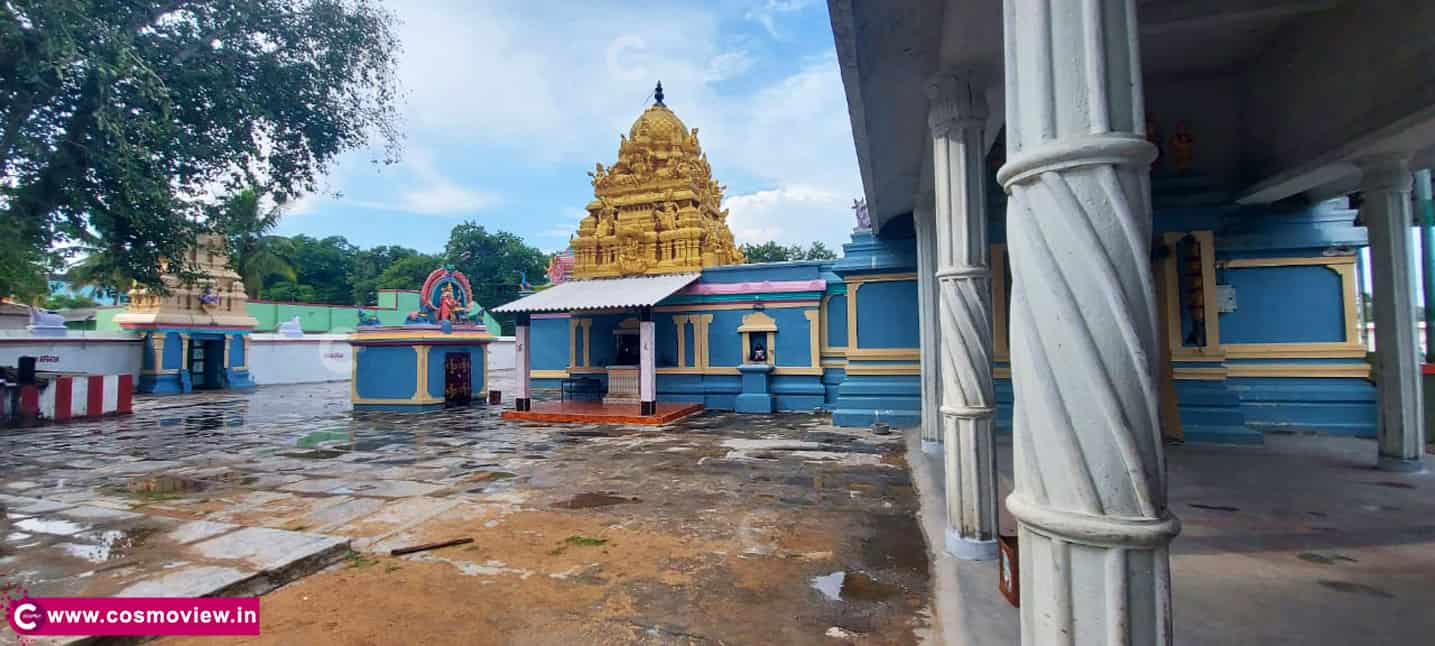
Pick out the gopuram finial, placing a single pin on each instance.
(658, 93)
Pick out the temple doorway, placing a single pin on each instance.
(206, 363)
(457, 379)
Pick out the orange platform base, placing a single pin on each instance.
(599, 413)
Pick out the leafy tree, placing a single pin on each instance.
(68, 302)
(766, 252)
(492, 262)
(819, 251)
(101, 270)
(289, 291)
(253, 253)
(408, 273)
(117, 117)
(321, 265)
(773, 252)
(370, 264)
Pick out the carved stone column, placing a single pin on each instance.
(521, 364)
(1385, 185)
(1090, 496)
(957, 115)
(928, 326)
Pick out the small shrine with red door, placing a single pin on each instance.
(437, 358)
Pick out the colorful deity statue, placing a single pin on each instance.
(657, 209)
(447, 298)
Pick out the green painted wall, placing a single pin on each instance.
(393, 307)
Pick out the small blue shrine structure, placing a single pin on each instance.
(437, 358)
(195, 334)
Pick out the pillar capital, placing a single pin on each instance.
(956, 100)
(1386, 173)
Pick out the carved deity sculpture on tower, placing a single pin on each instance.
(657, 209)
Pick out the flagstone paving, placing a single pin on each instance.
(721, 528)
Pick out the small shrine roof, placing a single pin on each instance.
(602, 293)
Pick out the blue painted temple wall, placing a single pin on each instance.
(216, 370)
(1257, 310)
(411, 376)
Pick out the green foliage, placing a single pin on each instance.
(322, 266)
(102, 270)
(370, 264)
(492, 262)
(289, 291)
(253, 253)
(68, 302)
(409, 272)
(773, 252)
(118, 116)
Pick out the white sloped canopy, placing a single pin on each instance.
(603, 293)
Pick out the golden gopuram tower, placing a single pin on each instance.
(657, 210)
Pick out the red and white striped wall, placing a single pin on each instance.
(87, 396)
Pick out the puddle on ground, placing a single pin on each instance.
(50, 526)
(853, 586)
(896, 543)
(860, 587)
(320, 437)
(830, 585)
(591, 500)
(314, 454)
(108, 545)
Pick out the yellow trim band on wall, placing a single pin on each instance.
(1332, 350)
(1307, 370)
(870, 370)
(1186, 373)
(896, 354)
(547, 374)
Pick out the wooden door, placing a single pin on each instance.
(457, 379)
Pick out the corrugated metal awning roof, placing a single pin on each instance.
(602, 293)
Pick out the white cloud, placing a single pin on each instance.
(768, 13)
(420, 188)
(790, 215)
(729, 64)
(548, 94)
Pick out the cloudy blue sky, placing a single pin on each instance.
(509, 104)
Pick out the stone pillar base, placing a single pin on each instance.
(970, 549)
(1399, 465)
(931, 448)
(648, 408)
(522, 404)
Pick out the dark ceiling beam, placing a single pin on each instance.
(1160, 17)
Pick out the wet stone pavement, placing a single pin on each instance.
(719, 529)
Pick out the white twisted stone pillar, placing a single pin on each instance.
(957, 116)
(1090, 496)
(1385, 186)
(928, 328)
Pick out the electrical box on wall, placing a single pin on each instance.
(1225, 298)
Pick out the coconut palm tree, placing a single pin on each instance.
(101, 269)
(253, 252)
